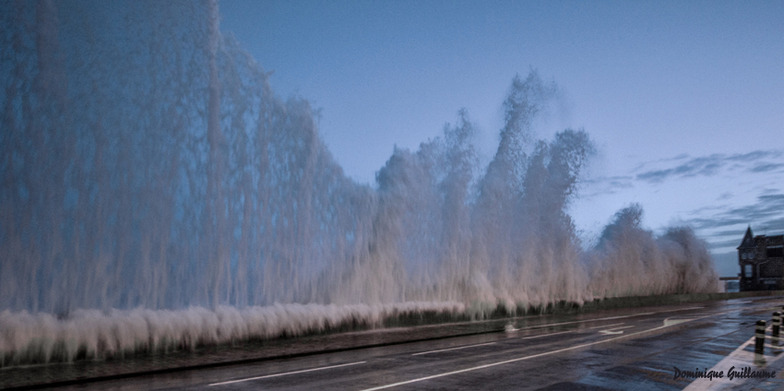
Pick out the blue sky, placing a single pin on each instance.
(684, 100)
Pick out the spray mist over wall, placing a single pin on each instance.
(157, 194)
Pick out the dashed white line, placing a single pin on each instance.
(455, 348)
(614, 330)
(286, 373)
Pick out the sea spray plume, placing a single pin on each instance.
(380, 274)
(214, 213)
(524, 245)
(629, 260)
(421, 227)
(135, 217)
(689, 256)
(494, 241)
(459, 164)
(34, 72)
(550, 244)
(626, 260)
(115, 207)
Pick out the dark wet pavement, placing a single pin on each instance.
(638, 348)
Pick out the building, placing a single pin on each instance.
(761, 260)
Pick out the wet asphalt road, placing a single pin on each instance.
(627, 349)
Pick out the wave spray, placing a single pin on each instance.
(156, 195)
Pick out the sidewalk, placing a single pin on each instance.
(743, 369)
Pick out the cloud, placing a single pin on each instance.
(742, 189)
(723, 226)
(607, 185)
(767, 208)
(684, 166)
(725, 196)
(768, 167)
(758, 162)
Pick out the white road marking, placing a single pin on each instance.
(589, 320)
(607, 318)
(606, 325)
(670, 322)
(286, 373)
(614, 330)
(683, 309)
(455, 348)
(516, 359)
(547, 335)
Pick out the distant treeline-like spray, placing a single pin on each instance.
(156, 192)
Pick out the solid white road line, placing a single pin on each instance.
(286, 373)
(541, 326)
(547, 335)
(455, 348)
(606, 318)
(605, 325)
(517, 359)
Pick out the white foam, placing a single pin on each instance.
(92, 334)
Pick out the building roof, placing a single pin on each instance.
(751, 241)
(748, 239)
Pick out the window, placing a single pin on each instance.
(775, 251)
(747, 271)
